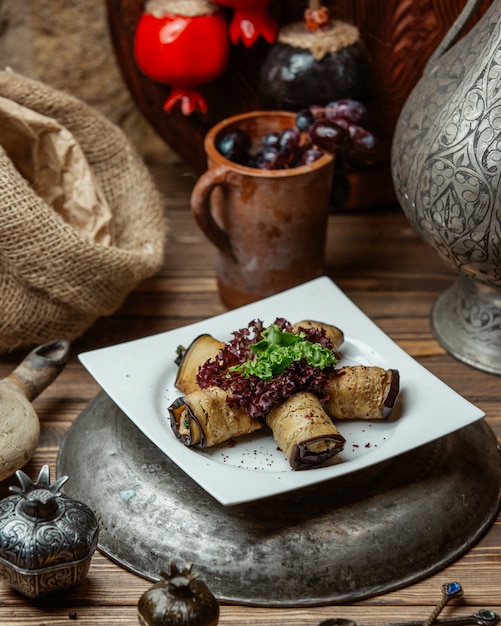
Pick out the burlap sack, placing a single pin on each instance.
(55, 280)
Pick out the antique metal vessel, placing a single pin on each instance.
(355, 536)
(446, 167)
(47, 539)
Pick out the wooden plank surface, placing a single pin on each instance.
(378, 260)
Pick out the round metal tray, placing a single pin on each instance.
(352, 537)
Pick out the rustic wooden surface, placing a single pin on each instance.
(379, 261)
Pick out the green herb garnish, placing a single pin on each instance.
(278, 349)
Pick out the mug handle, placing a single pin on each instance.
(201, 211)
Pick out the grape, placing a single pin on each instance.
(362, 144)
(329, 136)
(310, 155)
(269, 159)
(304, 119)
(317, 111)
(341, 122)
(361, 137)
(352, 111)
(235, 145)
(288, 141)
(270, 140)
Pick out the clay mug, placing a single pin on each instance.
(268, 226)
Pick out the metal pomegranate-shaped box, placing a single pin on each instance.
(47, 539)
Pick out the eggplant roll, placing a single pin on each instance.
(203, 418)
(304, 432)
(362, 392)
(200, 350)
(335, 334)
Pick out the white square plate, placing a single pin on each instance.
(139, 377)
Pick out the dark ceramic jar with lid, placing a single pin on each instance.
(314, 63)
(47, 539)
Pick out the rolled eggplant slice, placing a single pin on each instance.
(362, 392)
(304, 432)
(334, 333)
(201, 349)
(203, 419)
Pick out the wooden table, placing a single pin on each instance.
(378, 260)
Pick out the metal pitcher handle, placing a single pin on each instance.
(454, 32)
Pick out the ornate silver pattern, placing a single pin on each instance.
(446, 167)
(46, 538)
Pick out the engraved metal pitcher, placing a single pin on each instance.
(446, 169)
